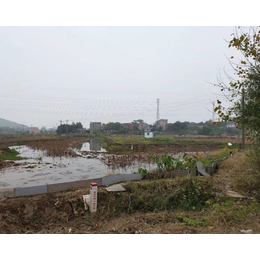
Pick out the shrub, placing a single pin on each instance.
(193, 196)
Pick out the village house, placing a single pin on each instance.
(161, 124)
(35, 130)
(95, 127)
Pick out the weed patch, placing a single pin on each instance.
(191, 222)
(233, 212)
(192, 196)
(10, 154)
(208, 160)
(181, 193)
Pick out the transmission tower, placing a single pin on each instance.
(158, 114)
(213, 111)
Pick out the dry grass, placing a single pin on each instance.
(238, 174)
(58, 147)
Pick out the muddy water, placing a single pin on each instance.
(38, 169)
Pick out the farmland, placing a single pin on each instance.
(179, 205)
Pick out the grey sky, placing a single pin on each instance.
(48, 74)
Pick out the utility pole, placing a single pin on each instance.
(158, 114)
(243, 114)
(67, 127)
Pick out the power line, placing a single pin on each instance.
(97, 109)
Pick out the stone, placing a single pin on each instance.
(115, 188)
(234, 194)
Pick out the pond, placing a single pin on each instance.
(38, 169)
(93, 145)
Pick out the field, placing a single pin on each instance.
(182, 205)
(166, 144)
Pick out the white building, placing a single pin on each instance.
(148, 134)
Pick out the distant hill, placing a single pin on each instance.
(9, 124)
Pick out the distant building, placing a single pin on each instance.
(125, 125)
(131, 126)
(81, 131)
(231, 125)
(95, 127)
(148, 134)
(35, 130)
(128, 126)
(143, 126)
(161, 124)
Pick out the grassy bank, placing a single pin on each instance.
(164, 144)
(9, 154)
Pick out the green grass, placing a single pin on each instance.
(10, 154)
(233, 212)
(234, 146)
(191, 222)
(185, 193)
(121, 140)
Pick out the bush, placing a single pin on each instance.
(186, 193)
(193, 196)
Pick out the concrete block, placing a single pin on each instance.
(201, 169)
(115, 188)
(182, 173)
(26, 191)
(112, 179)
(56, 187)
(132, 177)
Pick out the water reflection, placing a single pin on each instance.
(92, 146)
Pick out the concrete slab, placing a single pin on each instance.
(201, 170)
(119, 178)
(56, 187)
(112, 179)
(26, 191)
(132, 177)
(115, 188)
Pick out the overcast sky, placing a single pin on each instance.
(85, 74)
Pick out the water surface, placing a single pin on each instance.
(38, 169)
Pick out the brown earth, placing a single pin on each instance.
(63, 212)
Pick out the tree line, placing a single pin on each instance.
(177, 128)
(67, 128)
